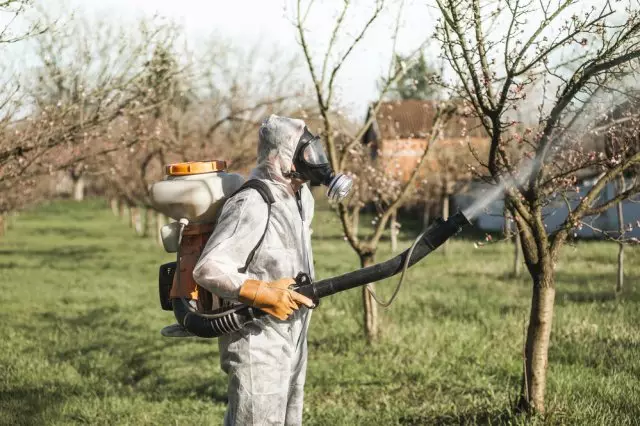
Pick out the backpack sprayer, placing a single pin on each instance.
(192, 194)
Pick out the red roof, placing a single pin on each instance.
(413, 118)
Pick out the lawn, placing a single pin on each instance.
(80, 342)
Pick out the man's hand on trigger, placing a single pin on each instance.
(275, 297)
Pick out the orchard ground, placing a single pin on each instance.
(80, 341)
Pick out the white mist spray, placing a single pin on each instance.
(495, 193)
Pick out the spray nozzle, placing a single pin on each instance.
(460, 219)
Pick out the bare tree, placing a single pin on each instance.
(11, 101)
(591, 49)
(96, 69)
(372, 182)
(196, 114)
(82, 86)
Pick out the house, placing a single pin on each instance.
(401, 129)
(398, 136)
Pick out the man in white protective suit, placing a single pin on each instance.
(252, 257)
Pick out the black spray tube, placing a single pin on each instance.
(439, 232)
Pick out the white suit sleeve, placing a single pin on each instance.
(238, 230)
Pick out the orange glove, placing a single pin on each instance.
(274, 298)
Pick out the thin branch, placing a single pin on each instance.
(585, 204)
(305, 48)
(233, 115)
(332, 41)
(480, 41)
(612, 202)
(356, 41)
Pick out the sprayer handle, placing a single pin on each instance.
(304, 285)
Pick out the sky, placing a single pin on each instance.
(268, 23)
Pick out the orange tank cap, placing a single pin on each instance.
(196, 167)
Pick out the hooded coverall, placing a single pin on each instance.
(265, 361)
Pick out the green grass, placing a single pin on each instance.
(80, 342)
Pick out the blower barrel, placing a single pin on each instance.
(216, 325)
(439, 232)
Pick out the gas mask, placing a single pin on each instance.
(313, 165)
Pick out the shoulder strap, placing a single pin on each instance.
(267, 196)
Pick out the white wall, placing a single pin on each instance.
(556, 212)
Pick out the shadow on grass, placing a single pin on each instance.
(26, 405)
(208, 390)
(334, 343)
(69, 232)
(583, 291)
(587, 276)
(68, 253)
(565, 297)
(141, 364)
(468, 277)
(480, 417)
(66, 232)
(601, 354)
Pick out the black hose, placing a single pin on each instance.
(235, 318)
(199, 324)
(209, 326)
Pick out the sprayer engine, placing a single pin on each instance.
(192, 194)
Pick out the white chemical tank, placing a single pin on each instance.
(194, 190)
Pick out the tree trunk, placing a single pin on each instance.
(115, 208)
(517, 253)
(534, 377)
(131, 218)
(128, 215)
(134, 221)
(426, 215)
(506, 226)
(122, 208)
(78, 188)
(511, 232)
(370, 306)
(356, 222)
(445, 216)
(148, 219)
(139, 221)
(159, 225)
(620, 282)
(393, 230)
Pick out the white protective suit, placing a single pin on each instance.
(266, 361)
